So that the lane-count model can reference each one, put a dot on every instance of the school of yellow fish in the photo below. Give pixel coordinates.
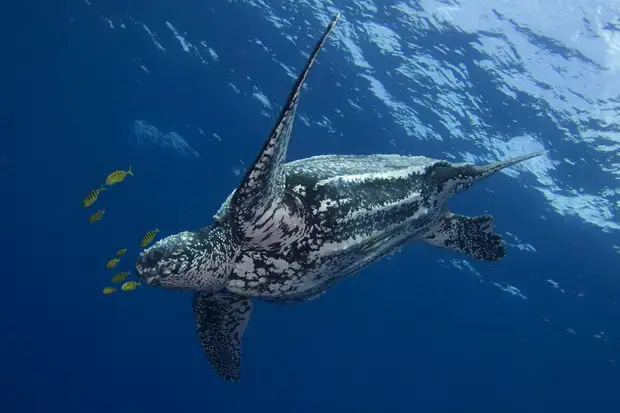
(92, 197)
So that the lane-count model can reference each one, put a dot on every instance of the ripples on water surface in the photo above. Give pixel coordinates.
(437, 68)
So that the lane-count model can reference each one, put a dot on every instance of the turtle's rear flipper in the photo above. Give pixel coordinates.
(221, 321)
(473, 236)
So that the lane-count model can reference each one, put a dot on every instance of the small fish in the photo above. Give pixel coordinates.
(96, 216)
(122, 252)
(117, 176)
(148, 237)
(109, 290)
(120, 277)
(112, 263)
(92, 197)
(130, 285)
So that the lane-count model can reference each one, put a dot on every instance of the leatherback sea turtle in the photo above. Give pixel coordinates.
(291, 230)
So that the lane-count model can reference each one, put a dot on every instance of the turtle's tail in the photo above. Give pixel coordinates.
(458, 177)
(481, 172)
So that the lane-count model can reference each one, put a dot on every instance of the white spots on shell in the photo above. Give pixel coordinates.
(335, 247)
(279, 265)
(367, 213)
(237, 283)
(404, 173)
(246, 267)
(300, 190)
(325, 204)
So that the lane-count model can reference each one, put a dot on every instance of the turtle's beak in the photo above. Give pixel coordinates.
(146, 271)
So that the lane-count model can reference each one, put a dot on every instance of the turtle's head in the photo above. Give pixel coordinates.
(197, 261)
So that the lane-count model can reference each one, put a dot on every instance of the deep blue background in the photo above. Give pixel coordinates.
(406, 335)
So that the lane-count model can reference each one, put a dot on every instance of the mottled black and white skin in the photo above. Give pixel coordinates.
(291, 230)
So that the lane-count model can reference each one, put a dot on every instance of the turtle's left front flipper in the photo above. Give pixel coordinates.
(221, 320)
(261, 193)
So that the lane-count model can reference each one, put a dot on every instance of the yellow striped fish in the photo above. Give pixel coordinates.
(112, 263)
(92, 197)
(148, 237)
(109, 290)
(130, 285)
(122, 252)
(96, 216)
(120, 277)
(117, 176)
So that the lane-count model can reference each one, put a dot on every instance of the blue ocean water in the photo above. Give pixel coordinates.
(427, 330)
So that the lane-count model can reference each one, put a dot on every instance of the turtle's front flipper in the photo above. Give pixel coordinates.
(221, 321)
(473, 236)
(260, 195)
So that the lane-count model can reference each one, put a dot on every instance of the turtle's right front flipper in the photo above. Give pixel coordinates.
(260, 196)
(221, 320)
